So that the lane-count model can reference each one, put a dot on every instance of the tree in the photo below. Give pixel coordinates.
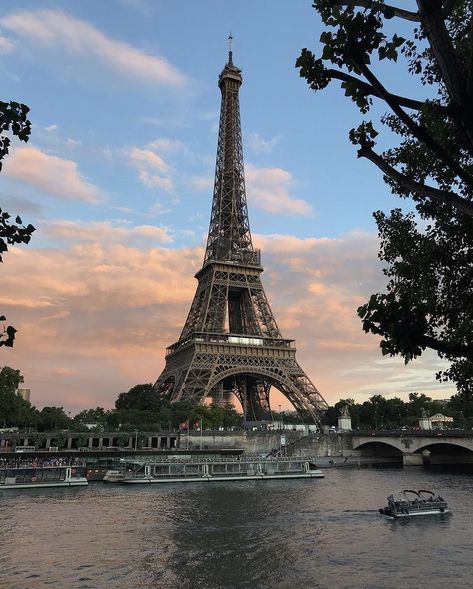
(141, 397)
(52, 419)
(428, 256)
(14, 410)
(97, 415)
(10, 379)
(13, 119)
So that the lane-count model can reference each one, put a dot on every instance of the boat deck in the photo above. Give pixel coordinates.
(215, 469)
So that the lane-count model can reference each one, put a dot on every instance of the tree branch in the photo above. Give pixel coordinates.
(443, 196)
(369, 90)
(420, 132)
(432, 18)
(400, 12)
(456, 350)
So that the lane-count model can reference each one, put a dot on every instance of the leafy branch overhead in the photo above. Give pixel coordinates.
(428, 256)
(13, 120)
(433, 54)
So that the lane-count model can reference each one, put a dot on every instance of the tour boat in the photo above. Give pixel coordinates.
(409, 503)
(199, 469)
(38, 476)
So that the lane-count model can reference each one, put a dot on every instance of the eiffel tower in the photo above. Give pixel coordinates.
(231, 342)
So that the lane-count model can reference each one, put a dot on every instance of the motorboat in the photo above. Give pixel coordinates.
(409, 503)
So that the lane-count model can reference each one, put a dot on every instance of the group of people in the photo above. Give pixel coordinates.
(39, 462)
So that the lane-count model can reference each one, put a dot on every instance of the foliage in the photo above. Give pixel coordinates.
(141, 397)
(140, 408)
(428, 256)
(13, 120)
(394, 413)
(14, 410)
(97, 415)
(52, 419)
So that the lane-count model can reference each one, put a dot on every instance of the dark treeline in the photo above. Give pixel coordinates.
(382, 413)
(140, 409)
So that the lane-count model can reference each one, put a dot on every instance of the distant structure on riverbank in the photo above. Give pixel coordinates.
(24, 394)
(231, 343)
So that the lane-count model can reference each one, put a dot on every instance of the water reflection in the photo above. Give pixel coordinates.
(230, 535)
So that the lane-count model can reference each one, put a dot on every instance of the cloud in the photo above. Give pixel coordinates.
(148, 163)
(104, 310)
(167, 145)
(260, 145)
(82, 232)
(6, 45)
(53, 28)
(268, 189)
(72, 143)
(105, 305)
(50, 174)
(200, 183)
(145, 157)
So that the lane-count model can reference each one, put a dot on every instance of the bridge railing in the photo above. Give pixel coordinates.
(447, 433)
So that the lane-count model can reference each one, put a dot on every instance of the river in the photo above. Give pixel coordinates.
(293, 534)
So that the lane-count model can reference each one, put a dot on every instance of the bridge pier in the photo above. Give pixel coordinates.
(412, 460)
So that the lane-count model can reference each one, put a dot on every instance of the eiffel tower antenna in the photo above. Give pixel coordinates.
(230, 343)
(230, 53)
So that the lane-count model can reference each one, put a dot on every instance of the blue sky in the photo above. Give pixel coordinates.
(118, 175)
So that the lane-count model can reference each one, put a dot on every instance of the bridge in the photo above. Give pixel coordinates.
(416, 447)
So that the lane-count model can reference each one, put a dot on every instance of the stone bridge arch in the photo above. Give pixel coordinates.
(418, 449)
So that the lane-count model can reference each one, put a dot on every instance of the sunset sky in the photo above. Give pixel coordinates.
(117, 178)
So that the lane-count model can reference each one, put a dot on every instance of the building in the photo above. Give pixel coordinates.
(24, 394)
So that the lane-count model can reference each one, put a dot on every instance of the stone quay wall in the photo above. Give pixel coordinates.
(251, 442)
(292, 442)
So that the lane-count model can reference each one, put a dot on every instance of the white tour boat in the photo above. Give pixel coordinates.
(31, 476)
(200, 469)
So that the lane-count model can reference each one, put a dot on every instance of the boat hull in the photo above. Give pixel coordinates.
(396, 515)
(75, 483)
(316, 474)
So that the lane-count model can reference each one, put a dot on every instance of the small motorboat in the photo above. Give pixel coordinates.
(409, 503)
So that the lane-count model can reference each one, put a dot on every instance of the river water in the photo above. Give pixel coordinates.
(324, 533)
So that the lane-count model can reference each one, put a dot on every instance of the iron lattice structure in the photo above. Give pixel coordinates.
(231, 342)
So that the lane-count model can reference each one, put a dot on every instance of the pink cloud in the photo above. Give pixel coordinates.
(153, 171)
(104, 311)
(87, 232)
(51, 174)
(269, 189)
(53, 28)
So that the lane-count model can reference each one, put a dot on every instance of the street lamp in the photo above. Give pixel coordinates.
(279, 416)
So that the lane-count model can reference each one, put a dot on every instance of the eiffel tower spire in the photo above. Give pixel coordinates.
(231, 343)
(229, 236)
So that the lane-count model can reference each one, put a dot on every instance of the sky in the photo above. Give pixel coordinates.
(118, 175)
